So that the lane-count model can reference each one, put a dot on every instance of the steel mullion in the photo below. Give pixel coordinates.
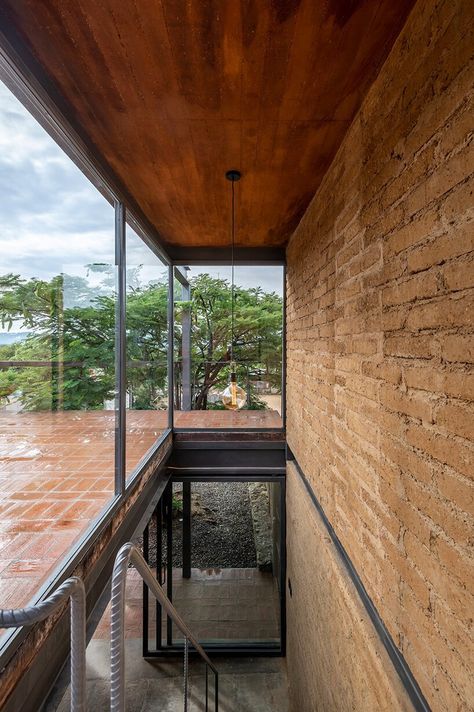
(120, 349)
(170, 346)
(283, 353)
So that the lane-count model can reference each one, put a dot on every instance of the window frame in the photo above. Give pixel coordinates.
(32, 95)
(223, 260)
(42, 100)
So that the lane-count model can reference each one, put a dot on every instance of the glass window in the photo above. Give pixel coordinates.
(57, 371)
(205, 343)
(147, 349)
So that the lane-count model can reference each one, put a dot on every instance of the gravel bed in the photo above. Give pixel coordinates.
(221, 529)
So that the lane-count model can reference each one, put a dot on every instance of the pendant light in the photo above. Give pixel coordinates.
(233, 397)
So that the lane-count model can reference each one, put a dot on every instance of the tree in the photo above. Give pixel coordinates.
(257, 335)
(147, 345)
(71, 347)
(66, 359)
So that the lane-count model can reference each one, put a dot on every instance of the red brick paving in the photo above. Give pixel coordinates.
(56, 475)
(228, 419)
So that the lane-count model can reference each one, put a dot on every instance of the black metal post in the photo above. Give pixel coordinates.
(186, 349)
(145, 641)
(283, 565)
(169, 558)
(170, 346)
(120, 348)
(283, 354)
(159, 570)
(187, 529)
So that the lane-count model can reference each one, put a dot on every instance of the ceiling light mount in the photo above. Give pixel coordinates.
(233, 175)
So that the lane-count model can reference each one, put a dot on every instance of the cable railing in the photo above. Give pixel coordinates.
(129, 554)
(72, 588)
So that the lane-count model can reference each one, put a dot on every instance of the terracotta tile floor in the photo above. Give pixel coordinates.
(227, 419)
(217, 604)
(56, 475)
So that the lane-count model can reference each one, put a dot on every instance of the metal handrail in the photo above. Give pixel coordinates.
(72, 588)
(129, 554)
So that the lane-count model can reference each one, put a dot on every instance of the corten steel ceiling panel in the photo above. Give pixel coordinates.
(172, 93)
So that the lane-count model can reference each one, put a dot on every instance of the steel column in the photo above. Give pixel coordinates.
(120, 348)
(186, 349)
(187, 529)
(170, 346)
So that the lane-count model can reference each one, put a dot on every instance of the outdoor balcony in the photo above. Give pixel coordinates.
(236, 328)
(57, 474)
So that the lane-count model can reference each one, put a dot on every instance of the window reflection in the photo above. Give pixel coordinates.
(57, 356)
(147, 348)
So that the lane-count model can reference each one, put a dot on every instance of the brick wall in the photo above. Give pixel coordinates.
(380, 347)
(344, 666)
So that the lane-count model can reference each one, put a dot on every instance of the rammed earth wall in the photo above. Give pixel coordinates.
(380, 311)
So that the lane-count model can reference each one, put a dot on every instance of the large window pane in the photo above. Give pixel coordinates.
(57, 373)
(147, 349)
(203, 340)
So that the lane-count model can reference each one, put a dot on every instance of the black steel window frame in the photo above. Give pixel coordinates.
(17, 77)
(222, 259)
(122, 220)
(41, 99)
(253, 648)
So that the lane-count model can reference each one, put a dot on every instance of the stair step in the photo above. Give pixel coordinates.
(245, 684)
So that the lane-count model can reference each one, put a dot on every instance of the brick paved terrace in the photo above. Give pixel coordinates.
(56, 475)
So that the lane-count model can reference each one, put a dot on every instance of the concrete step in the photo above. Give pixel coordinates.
(245, 684)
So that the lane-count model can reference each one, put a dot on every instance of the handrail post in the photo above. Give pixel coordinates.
(72, 588)
(129, 554)
(117, 620)
(78, 648)
(186, 673)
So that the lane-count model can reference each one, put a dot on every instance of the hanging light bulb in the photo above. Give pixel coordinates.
(233, 397)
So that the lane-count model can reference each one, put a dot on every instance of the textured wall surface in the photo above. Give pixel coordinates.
(326, 620)
(380, 349)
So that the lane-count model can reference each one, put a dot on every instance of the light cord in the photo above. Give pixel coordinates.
(232, 278)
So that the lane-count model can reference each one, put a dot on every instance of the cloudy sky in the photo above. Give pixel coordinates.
(52, 220)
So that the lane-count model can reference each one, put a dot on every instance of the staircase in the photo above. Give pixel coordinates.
(119, 678)
(245, 684)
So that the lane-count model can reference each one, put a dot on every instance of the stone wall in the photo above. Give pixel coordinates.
(380, 310)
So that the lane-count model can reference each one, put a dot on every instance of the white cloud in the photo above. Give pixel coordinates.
(51, 216)
(270, 279)
(53, 220)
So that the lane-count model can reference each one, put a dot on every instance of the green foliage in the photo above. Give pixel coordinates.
(257, 337)
(147, 345)
(70, 338)
(177, 504)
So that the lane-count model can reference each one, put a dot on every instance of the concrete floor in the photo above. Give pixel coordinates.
(245, 684)
(217, 604)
